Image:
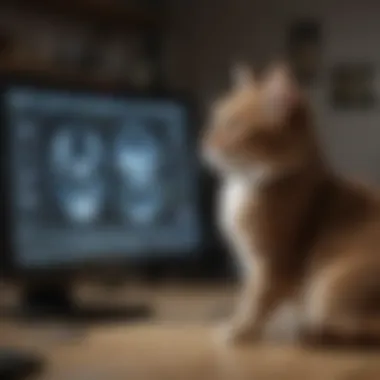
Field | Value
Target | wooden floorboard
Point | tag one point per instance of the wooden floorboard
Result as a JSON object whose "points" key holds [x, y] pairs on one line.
{"points": [[181, 343]]}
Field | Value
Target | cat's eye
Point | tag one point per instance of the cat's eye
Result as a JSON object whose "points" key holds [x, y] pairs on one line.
{"points": [[267, 140], [260, 137]]}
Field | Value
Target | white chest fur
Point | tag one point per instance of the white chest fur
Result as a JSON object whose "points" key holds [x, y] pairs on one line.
{"points": [[235, 195], [237, 192]]}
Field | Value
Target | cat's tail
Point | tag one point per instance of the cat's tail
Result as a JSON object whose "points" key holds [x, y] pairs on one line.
{"points": [[359, 331]]}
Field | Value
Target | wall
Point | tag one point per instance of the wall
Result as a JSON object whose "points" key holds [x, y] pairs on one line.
{"points": [[221, 31]]}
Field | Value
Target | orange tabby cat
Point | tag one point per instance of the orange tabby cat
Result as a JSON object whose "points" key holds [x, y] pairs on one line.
{"points": [[299, 231]]}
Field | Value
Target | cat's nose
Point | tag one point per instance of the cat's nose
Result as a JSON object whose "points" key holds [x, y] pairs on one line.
{"points": [[211, 156], [210, 151], [203, 143]]}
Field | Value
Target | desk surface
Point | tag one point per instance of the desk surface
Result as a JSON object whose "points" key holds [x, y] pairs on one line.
{"points": [[180, 344]]}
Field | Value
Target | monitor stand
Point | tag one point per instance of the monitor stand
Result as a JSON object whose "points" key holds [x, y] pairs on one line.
{"points": [[19, 364], [55, 302]]}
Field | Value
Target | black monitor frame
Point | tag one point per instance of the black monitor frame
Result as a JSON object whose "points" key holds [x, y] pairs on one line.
{"points": [[207, 263]]}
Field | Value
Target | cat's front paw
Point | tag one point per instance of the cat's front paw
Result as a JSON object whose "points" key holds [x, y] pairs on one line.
{"points": [[233, 334]]}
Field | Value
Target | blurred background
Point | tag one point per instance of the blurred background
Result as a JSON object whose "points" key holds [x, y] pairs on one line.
{"points": [[107, 211]]}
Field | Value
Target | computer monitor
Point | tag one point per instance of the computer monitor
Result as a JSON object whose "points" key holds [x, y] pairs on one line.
{"points": [[96, 178]]}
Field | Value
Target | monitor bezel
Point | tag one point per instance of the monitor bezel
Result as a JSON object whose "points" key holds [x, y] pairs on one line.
{"points": [[208, 261]]}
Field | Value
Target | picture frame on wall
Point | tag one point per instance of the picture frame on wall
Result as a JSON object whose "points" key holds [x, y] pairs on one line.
{"points": [[353, 86], [304, 49]]}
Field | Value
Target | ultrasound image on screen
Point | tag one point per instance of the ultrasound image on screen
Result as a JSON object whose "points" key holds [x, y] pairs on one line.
{"points": [[76, 155], [97, 177]]}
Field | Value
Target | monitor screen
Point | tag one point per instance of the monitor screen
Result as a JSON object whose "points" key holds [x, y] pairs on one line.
{"points": [[95, 177]]}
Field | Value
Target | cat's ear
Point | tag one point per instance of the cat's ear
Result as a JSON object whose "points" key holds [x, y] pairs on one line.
{"points": [[242, 76], [280, 92]]}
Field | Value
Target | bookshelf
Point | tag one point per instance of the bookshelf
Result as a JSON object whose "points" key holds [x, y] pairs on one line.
{"points": [[102, 22]]}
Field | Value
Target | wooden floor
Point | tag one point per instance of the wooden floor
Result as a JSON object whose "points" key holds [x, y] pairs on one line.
{"points": [[180, 344]]}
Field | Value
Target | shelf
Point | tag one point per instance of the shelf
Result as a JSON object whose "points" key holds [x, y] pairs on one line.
{"points": [[101, 14], [57, 76]]}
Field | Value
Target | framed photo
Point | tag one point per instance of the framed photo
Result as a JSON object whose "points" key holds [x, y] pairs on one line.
{"points": [[352, 85], [304, 49]]}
